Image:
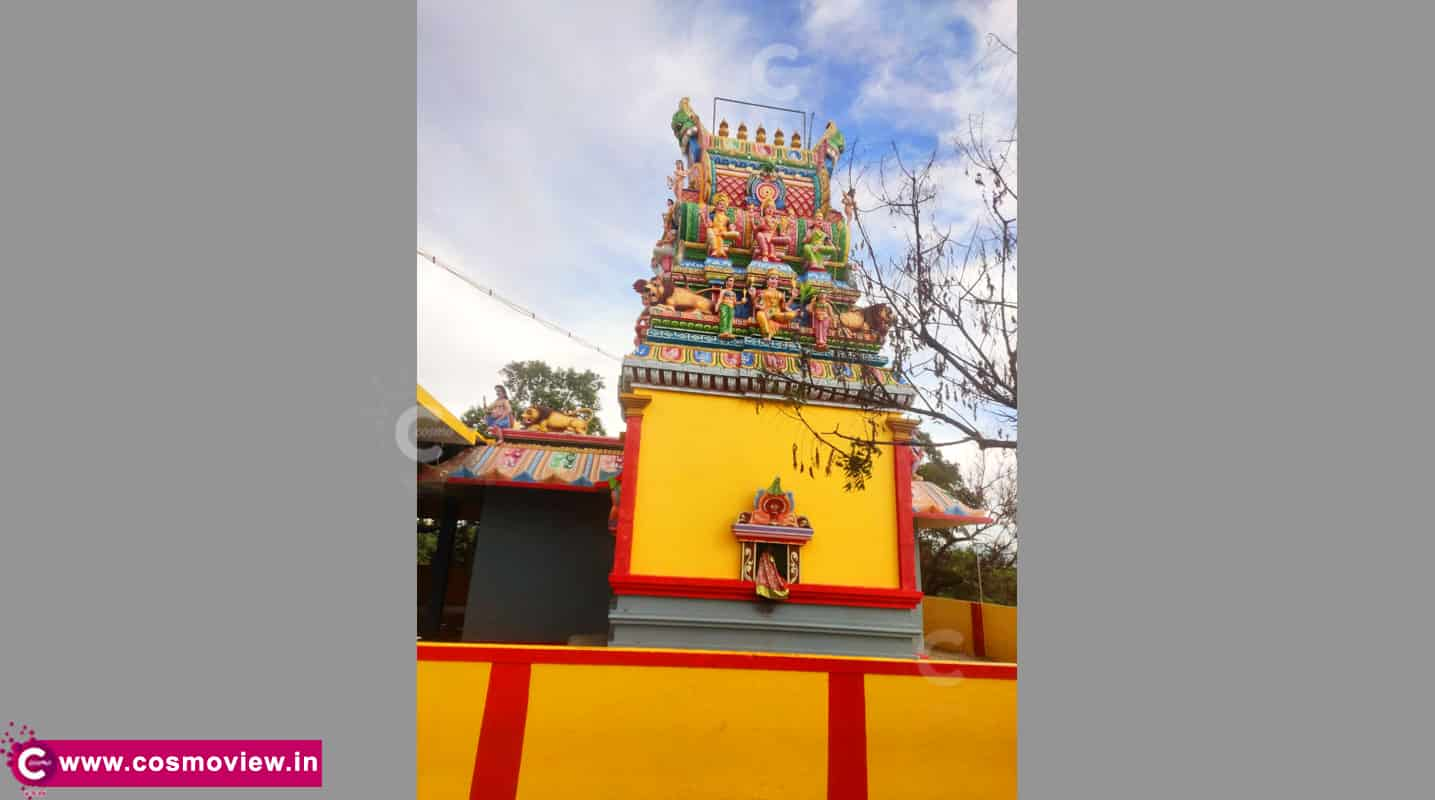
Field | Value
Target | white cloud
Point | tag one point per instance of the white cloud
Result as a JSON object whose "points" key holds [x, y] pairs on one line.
{"points": [[543, 145]]}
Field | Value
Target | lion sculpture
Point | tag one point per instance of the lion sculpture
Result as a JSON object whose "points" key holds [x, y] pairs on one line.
{"points": [[664, 293], [869, 319], [543, 418]]}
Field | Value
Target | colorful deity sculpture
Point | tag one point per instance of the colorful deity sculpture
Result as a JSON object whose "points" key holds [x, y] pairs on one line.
{"points": [[787, 225], [678, 179], [720, 231], [689, 131], [849, 203], [815, 251], [769, 308], [500, 413], [769, 580], [768, 235], [670, 226], [726, 305], [823, 313]]}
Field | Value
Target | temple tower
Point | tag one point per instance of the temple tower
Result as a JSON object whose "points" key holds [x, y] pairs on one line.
{"points": [[730, 534]]}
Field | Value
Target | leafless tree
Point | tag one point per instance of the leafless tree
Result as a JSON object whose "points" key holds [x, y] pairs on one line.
{"points": [[952, 295]]}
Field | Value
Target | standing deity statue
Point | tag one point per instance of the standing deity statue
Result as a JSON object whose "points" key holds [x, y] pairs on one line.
{"points": [[678, 179], [719, 230], [726, 305], [849, 203], [670, 225], [822, 316], [815, 251], [769, 307]]}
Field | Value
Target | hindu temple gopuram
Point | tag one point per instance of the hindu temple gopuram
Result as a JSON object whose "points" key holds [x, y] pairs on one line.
{"points": [[632, 610], [721, 534]]}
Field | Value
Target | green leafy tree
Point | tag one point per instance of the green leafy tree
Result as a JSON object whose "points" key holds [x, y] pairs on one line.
{"points": [[474, 418], [535, 383], [973, 562]]}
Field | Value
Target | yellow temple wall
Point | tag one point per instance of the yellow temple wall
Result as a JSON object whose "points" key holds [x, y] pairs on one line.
{"points": [[703, 457], [949, 625], [636, 724]]}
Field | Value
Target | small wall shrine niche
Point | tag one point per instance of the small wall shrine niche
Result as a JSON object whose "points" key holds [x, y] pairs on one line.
{"points": [[771, 537]]}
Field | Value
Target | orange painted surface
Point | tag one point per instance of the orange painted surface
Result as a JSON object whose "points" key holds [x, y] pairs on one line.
{"points": [[731, 447], [947, 626], [450, 709], [940, 738], [641, 723]]}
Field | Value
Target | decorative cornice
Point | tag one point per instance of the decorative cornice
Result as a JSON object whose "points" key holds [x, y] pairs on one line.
{"points": [[729, 589], [522, 436], [633, 404], [902, 427]]}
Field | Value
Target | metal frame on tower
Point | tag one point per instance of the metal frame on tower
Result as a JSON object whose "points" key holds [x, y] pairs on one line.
{"points": [[807, 116]]}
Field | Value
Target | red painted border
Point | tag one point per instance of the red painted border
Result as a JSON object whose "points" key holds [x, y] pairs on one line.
{"points": [[733, 589], [846, 736], [500, 739], [520, 435], [627, 498], [616, 656], [560, 487], [906, 539], [979, 633]]}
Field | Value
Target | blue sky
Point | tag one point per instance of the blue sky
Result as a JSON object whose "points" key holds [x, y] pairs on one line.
{"points": [[543, 144]]}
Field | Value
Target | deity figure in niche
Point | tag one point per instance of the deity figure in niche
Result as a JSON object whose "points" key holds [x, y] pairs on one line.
{"points": [[815, 251], [726, 305], [770, 583], [720, 231], [769, 308], [768, 235], [822, 316], [500, 413]]}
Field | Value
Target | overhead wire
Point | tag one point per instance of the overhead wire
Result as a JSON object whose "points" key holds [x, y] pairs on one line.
{"points": [[488, 290]]}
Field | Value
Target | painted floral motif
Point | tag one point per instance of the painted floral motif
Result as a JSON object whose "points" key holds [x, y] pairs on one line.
{"points": [[563, 460]]}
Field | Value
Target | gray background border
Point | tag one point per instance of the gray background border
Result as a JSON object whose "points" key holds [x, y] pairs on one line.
{"points": [[208, 325], [207, 321], [1225, 426]]}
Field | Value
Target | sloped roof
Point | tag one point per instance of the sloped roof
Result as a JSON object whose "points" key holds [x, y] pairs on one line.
{"points": [[439, 425], [935, 507], [537, 464]]}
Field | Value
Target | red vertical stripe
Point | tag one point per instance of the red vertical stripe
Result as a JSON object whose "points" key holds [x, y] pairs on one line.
{"points": [[623, 546], [906, 541], [846, 737], [979, 634], [500, 739]]}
